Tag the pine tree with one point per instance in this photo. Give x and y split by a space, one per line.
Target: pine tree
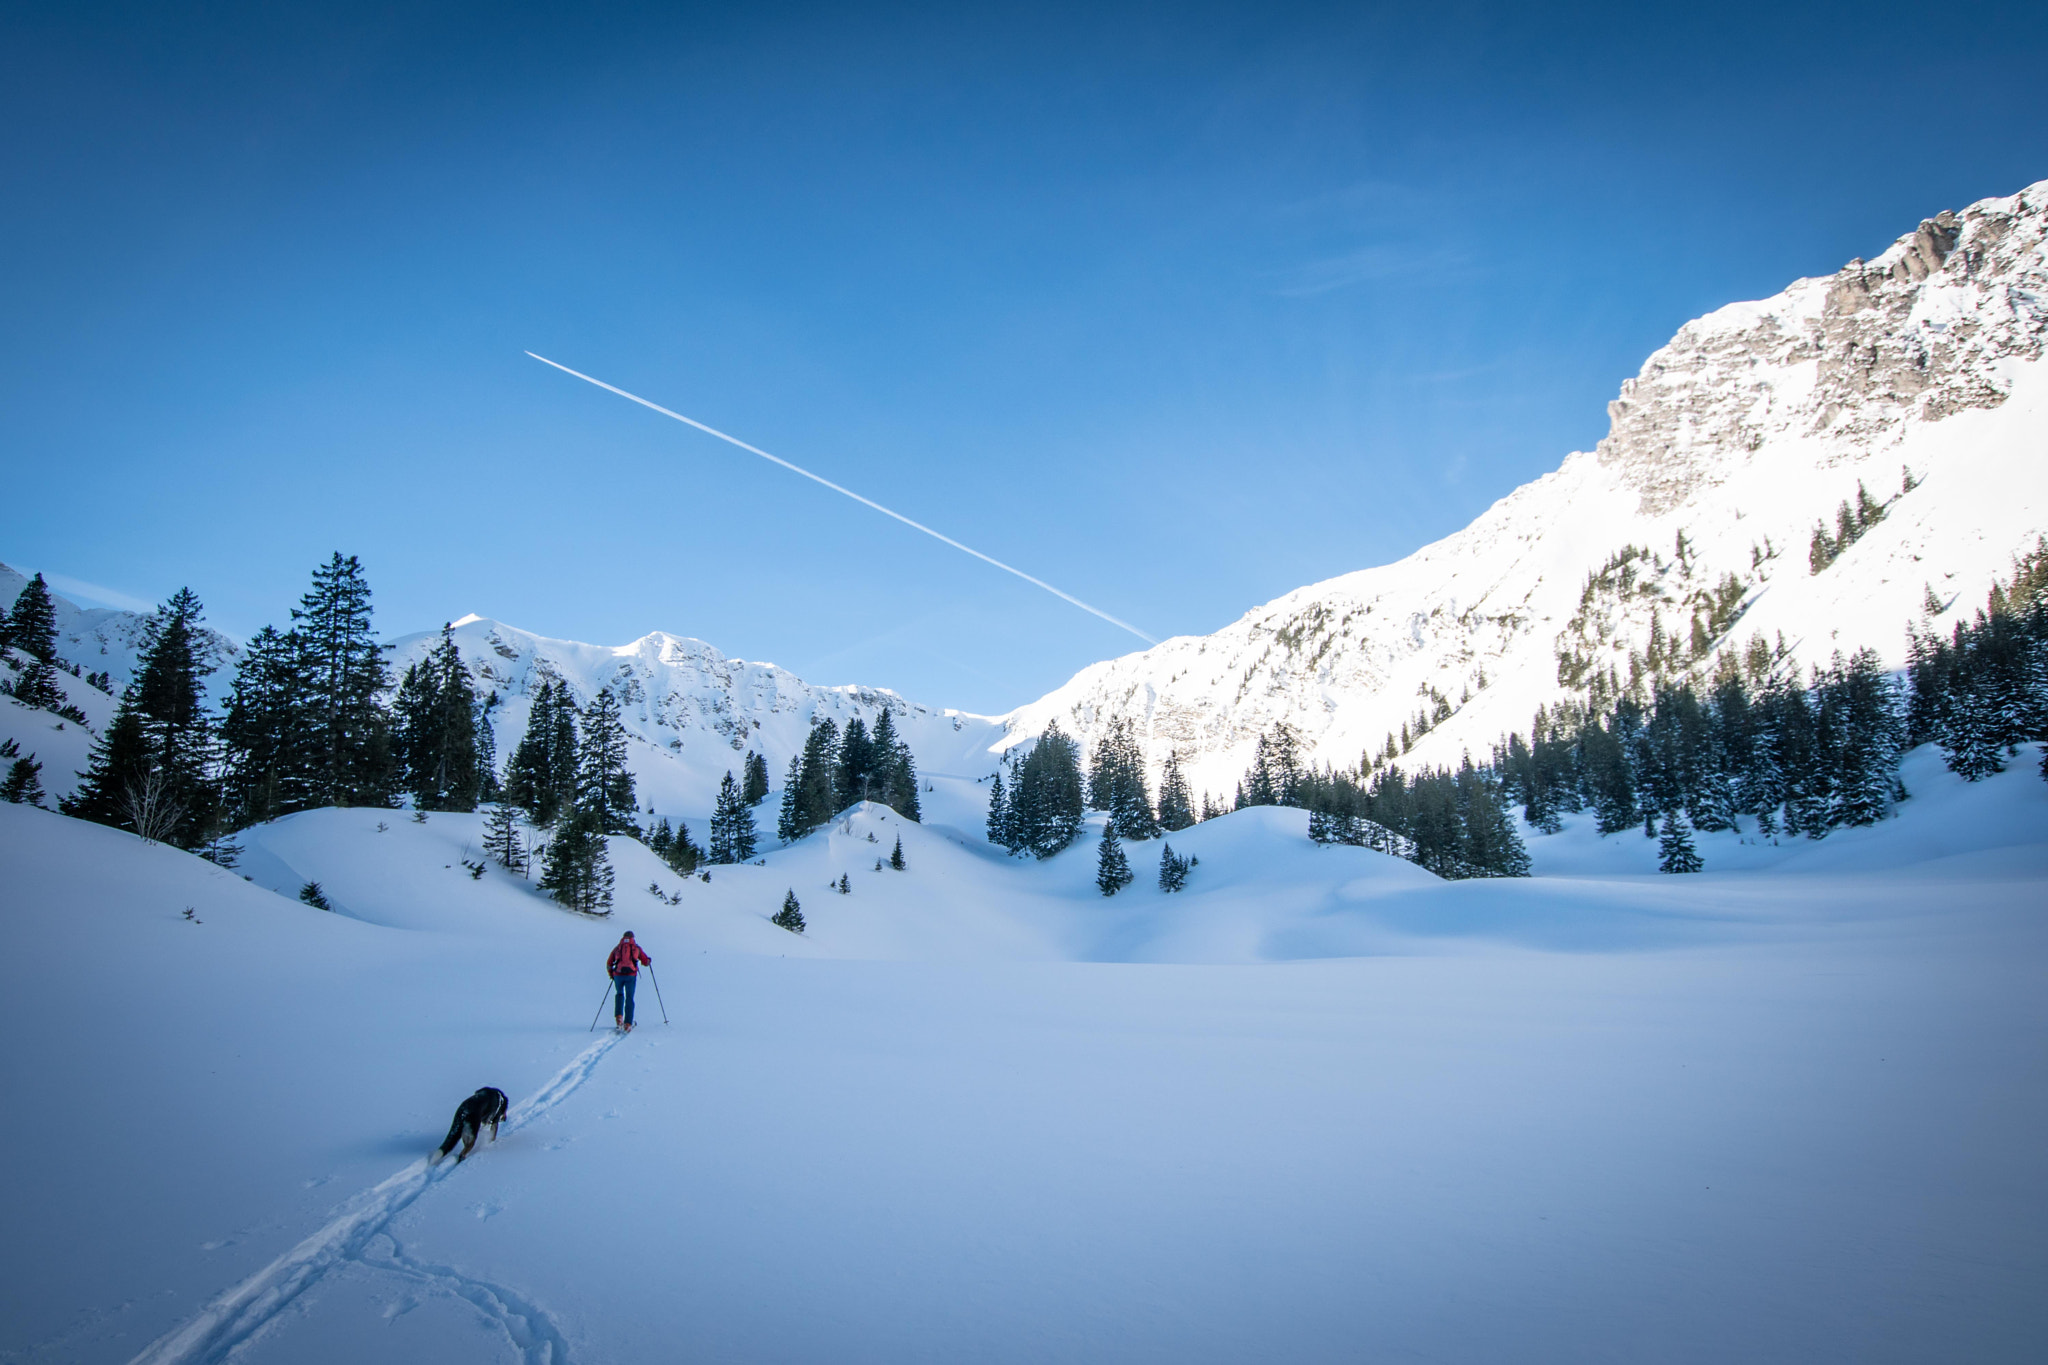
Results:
858 777
1176 806
1675 850
791 915
674 847
755 787
899 770
732 825
1173 869
1872 725
1116 781
541 777
23 785
789 825
348 732
487 749
32 629
1112 868
1490 845
312 894
267 760
1965 736
1258 787
999 824
501 839
149 771
1609 780
819 797
1045 801
577 870
604 785
438 719
896 855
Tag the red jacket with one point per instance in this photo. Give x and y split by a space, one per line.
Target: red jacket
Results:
626 959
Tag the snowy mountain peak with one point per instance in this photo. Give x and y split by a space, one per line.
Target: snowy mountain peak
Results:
691 712
1930 328
1908 389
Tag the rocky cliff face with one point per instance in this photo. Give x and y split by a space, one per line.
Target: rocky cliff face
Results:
1911 383
1926 330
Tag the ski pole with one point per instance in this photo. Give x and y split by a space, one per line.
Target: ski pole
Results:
657 992
600 1008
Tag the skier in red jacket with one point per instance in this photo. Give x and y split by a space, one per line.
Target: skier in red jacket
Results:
624 964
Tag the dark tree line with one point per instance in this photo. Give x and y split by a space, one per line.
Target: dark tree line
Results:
1454 822
836 769
310 719
1798 759
1983 691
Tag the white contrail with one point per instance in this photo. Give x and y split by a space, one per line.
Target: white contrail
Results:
865 502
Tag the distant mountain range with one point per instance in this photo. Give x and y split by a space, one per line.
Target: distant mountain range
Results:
1898 408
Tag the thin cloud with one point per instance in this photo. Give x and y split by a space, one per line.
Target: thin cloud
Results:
92 593
1375 264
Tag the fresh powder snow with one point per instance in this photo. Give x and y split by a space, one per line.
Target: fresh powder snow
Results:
1320 1106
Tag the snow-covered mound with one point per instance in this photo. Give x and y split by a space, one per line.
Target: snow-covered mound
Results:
1764 1115
1690 524
691 713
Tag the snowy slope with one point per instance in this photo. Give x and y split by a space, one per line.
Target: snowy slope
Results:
691 713
1742 434
1767 1115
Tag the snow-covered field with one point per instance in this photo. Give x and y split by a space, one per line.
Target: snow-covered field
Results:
1320 1107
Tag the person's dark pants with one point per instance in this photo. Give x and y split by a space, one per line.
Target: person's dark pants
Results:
622 1002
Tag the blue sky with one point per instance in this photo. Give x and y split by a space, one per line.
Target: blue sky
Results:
1178 308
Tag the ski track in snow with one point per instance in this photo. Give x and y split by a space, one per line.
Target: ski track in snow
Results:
241 1315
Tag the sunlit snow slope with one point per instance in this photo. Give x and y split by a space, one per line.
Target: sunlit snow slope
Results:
1749 429
1320 1107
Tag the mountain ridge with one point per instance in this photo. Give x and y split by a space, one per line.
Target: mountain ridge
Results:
1910 383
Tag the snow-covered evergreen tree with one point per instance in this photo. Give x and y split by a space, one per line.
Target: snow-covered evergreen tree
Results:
732 825
347 730
502 840
789 825
754 787
32 630
604 784
541 777
1176 805
1675 850
897 767
1173 869
999 824
791 915
577 869
1112 867
1045 801
23 784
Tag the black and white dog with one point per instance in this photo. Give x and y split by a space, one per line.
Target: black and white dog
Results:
487 1105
